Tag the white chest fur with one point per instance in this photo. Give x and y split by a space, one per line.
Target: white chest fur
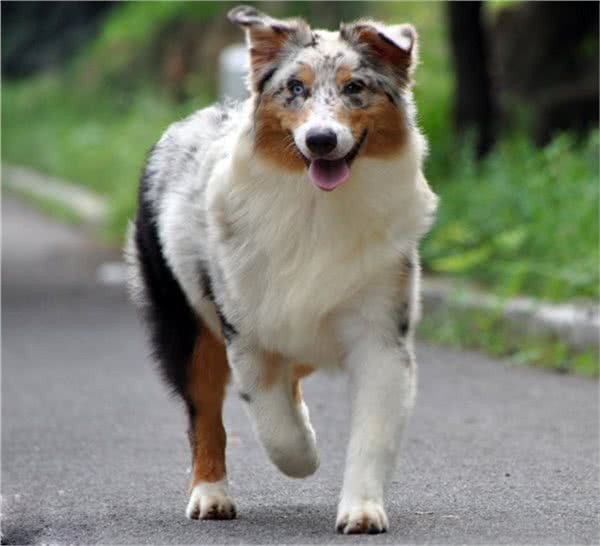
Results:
293 256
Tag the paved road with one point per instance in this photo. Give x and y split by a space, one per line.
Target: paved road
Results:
94 450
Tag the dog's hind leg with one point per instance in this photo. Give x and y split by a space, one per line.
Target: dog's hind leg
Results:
204 395
191 359
269 386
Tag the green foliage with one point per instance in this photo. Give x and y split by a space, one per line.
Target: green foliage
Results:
135 23
522 220
525 219
88 141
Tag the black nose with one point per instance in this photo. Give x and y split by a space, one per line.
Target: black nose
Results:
321 141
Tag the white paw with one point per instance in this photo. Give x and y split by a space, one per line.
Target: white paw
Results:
210 501
363 517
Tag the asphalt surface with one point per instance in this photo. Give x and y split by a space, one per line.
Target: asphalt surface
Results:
94 448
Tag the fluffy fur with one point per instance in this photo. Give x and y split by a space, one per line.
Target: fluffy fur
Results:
235 254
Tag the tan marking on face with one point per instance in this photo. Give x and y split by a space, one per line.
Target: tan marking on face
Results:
386 130
274 127
306 75
300 371
209 375
343 75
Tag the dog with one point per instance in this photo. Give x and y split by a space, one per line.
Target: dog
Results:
279 236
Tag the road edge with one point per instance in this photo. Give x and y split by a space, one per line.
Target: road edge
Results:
87 206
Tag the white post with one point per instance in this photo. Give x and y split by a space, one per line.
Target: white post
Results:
233 67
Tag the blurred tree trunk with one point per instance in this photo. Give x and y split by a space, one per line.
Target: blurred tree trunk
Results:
546 58
473 103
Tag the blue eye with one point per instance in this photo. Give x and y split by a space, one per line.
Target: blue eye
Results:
296 88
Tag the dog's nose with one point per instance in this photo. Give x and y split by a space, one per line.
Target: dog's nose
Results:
321 141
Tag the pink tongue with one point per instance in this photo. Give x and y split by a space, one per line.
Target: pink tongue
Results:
328 175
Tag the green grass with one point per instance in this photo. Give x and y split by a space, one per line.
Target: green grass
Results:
524 220
87 140
487 331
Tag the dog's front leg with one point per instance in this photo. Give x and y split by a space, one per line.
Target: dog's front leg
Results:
270 391
382 376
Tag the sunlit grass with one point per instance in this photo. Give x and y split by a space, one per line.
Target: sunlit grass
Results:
92 143
524 220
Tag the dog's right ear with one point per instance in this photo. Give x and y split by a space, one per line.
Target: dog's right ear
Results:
269 41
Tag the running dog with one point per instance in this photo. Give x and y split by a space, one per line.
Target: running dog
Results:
278 237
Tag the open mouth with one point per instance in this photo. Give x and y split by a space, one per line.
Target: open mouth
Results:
328 174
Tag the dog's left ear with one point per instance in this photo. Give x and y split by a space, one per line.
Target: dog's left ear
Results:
394 46
269 41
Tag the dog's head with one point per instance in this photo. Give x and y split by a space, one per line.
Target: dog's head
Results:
324 99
